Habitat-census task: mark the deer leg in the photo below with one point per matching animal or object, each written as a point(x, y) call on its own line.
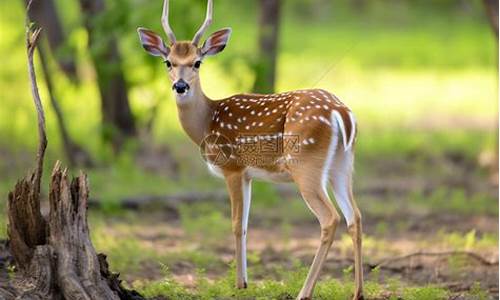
point(247, 196)
point(239, 192)
point(356, 232)
point(319, 203)
point(341, 180)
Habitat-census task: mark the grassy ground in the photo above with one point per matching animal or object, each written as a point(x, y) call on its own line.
point(424, 94)
point(435, 204)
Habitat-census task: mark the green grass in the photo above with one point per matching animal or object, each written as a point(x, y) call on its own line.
point(457, 201)
point(288, 288)
point(205, 224)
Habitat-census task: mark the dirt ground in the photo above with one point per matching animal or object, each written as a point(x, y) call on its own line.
point(402, 242)
point(435, 264)
point(415, 246)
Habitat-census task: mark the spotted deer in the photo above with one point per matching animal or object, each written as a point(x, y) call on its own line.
point(304, 136)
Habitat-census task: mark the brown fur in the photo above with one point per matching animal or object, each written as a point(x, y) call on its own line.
point(277, 114)
point(183, 53)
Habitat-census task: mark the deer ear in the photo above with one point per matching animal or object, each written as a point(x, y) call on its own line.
point(152, 43)
point(216, 42)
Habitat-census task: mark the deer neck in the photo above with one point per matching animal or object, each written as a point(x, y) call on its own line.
point(195, 114)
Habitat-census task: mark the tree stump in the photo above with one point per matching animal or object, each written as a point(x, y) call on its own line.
point(54, 255)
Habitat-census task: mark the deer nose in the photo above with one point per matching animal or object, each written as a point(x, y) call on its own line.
point(180, 86)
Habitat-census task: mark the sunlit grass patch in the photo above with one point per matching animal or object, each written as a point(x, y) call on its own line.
point(426, 292)
point(467, 242)
point(125, 252)
point(205, 224)
point(419, 145)
point(456, 200)
point(286, 288)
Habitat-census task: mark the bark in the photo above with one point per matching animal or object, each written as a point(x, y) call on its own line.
point(77, 156)
point(265, 67)
point(118, 123)
point(54, 256)
point(44, 13)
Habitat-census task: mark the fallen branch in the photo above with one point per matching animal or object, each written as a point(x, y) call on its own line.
point(168, 202)
point(469, 254)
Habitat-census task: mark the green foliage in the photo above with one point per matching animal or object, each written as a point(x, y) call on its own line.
point(125, 254)
point(203, 223)
point(468, 241)
point(477, 293)
point(199, 259)
point(330, 289)
point(375, 274)
point(167, 286)
point(426, 292)
point(363, 55)
point(347, 272)
point(457, 201)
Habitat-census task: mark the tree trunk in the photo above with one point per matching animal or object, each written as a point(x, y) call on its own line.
point(265, 67)
point(76, 155)
point(492, 12)
point(54, 256)
point(359, 5)
point(118, 123)
point(44, 13)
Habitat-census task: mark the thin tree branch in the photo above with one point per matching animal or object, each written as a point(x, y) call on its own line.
point(74, 152)
point(469, 254)
point(32, 36)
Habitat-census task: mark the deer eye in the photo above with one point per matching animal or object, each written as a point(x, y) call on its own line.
point(168, 63)
point(197, 64)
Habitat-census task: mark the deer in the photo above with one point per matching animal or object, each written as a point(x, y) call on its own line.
point(303, 136)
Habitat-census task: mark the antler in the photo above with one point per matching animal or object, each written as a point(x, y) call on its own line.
point(165, 23)
point(206, 23)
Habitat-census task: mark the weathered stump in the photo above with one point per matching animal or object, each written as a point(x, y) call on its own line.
point(54, 255)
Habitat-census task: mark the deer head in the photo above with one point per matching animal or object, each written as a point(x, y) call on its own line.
point(183, 59)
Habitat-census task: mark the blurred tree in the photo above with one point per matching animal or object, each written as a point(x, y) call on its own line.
point(492, 11)
point(359, 5)
point(118, 123)
point(265, 67)
point(76, 155)
point(44, 13)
